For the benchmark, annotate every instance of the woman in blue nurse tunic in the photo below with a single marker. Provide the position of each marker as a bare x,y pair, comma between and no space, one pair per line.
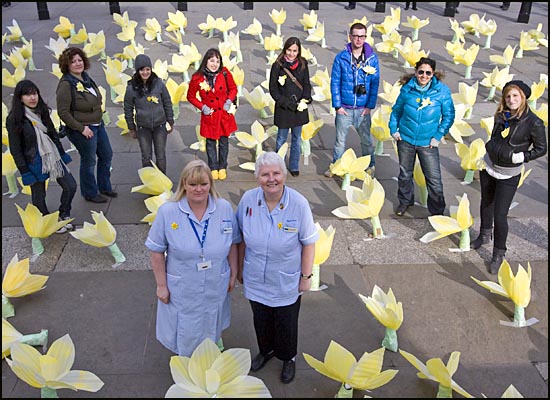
275,260
193,244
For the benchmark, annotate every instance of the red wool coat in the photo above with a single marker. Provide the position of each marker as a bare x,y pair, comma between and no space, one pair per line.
219,123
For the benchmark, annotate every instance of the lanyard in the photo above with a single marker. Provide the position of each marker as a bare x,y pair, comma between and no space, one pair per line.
201,240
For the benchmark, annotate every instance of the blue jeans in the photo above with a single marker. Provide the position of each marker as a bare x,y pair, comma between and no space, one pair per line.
496,199
68,187
95,150
429,161
216,152
362,125
294,157
148,138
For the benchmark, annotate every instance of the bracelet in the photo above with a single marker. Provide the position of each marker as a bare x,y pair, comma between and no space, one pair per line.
306,276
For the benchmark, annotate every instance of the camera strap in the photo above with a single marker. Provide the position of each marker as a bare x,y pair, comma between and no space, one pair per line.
292,78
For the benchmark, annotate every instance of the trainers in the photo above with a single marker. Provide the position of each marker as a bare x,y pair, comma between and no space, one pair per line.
61,230
328,173
215,175
69,226
401,208
222,174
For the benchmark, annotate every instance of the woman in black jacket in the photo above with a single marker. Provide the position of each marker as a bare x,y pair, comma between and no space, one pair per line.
288,85
37,150
518,137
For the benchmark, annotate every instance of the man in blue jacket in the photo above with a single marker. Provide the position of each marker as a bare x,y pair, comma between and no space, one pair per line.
354,85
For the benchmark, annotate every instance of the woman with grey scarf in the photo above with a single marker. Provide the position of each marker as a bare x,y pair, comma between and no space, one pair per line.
37,150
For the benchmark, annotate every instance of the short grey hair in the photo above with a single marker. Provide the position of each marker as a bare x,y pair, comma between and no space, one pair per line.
269,158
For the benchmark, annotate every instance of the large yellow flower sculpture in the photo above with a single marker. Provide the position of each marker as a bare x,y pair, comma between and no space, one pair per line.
51,371
471,158
154,181
309,130
211,373
341,365
322,253
9,169
19,282
279,18
385,308
10,335
516,288
350,167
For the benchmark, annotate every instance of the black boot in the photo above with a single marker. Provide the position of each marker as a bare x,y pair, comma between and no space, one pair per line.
485,236
498,257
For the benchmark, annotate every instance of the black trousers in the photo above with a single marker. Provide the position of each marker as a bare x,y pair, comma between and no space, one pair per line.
216,152
277,329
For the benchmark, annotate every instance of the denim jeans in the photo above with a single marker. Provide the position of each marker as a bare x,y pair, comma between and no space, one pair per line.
68,187
429,161
94,150
216,151
148,138
362,125
496,198
295,150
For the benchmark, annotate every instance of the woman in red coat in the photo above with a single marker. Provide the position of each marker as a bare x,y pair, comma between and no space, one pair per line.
213,90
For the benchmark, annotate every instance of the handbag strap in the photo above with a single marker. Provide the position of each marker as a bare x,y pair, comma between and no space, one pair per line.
291,76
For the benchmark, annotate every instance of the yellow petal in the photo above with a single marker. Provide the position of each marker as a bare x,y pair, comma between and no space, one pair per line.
18,281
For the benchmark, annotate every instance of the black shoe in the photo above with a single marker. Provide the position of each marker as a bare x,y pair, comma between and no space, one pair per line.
415,9
288,372
401,208
97,199
349,7
295,173
109,193
260,360
406,8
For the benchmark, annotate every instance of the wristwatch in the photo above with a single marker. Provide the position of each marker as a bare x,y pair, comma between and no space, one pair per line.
306,276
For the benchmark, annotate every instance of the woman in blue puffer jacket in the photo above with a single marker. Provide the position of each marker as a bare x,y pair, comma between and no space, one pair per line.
422,114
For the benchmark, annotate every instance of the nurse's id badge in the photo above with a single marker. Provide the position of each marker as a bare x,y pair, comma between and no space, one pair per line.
204,265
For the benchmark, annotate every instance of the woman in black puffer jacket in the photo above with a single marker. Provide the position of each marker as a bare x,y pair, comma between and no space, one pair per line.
518,137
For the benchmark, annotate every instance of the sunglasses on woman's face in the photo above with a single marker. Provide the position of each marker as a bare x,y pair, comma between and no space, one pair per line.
421,72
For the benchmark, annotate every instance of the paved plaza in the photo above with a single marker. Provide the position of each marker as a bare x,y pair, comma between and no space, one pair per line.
110,312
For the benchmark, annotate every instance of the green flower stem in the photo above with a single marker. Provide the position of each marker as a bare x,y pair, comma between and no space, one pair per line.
113,93
263,113
131,63
488,42
406,64
379,148
469,177
519,316
102,55
37,247
225,36
159,37
344,392
36,339
423,194
210,33
261,38
390,340
181,48
176,110
278,30
395,53
444,392
186,77
377,231
414,35
323,43
519,54
468,113
219,343
345,181
48,393
258,150
239,56
197,64
455,38
182,31
468,73
116,253
532,104
12,185
315,279
7,308
32,67
306,150
465,239
239,91
491,93
106,118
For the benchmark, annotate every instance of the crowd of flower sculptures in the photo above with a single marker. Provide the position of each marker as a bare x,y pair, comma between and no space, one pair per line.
209,372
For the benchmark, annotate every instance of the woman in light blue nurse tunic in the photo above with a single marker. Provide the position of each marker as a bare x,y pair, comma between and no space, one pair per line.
193,244
275,260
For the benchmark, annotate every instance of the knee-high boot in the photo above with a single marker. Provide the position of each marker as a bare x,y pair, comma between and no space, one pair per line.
485,236
496,261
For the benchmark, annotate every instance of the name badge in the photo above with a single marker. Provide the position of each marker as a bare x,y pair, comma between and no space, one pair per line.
289,229
202,266
228,230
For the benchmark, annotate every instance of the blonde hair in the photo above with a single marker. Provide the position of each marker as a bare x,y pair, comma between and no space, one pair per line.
193,173
502,107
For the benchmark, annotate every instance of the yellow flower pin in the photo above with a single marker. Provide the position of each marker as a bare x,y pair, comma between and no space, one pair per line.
175,226
425,103
280,225
33,123
80,87
204,86
282,80
505,132
153,99
369,70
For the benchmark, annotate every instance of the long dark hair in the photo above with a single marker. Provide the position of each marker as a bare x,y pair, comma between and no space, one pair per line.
207,56
289,42
423,60
17,111
141,87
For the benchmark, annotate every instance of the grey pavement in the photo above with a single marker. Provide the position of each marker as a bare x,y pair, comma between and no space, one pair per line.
110,313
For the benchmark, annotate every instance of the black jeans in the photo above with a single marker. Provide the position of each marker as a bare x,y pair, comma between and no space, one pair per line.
496,198
216,151
277,329
68,187
149,138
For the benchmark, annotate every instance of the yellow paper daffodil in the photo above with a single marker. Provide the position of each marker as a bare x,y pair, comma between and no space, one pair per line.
510,393
278,18
341,365
438,372
19,282
153,203
471,157
466,95
467,58
415,24
516,288
506,58
224,26
309,130
191,53
322,253
385,308
51,371
16,35
391,92
177,22
200,144
122,124
420,181
208,26
459,221
537,90
255,139
152,30
487,29
123,20
80,37
460,128
496,79
178,93
272,44
411,52
26,52
390,43
65,28
458,31
9,169
391,22
526,43
487,124
10,335
255,29
211,373
317,34
154,181
350,167
258,99
57,46
26,189
128,34
11,80
379,127
96,45
471,25
309,21
542,113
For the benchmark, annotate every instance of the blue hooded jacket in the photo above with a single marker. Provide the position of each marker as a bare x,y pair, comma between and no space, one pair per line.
418,124
346,75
